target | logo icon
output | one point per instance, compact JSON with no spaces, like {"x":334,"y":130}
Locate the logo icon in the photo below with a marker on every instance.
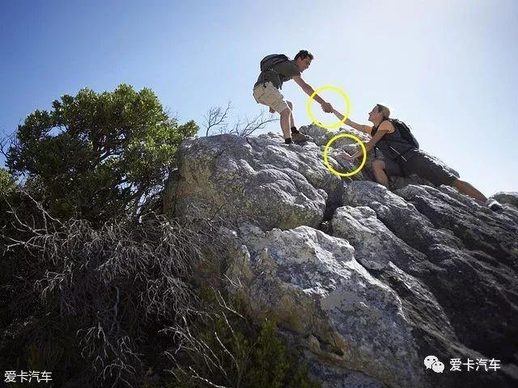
{"x":433,"y":363}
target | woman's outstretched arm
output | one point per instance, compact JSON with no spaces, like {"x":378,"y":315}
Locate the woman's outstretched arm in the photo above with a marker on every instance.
{"x":359,"y":127}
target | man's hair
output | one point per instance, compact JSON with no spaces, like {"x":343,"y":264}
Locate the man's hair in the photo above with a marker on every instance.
{"x":383,"y":110}
{"x":302,"y":54}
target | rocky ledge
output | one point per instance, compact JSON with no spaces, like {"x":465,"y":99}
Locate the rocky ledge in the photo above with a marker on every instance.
{"x":366,"y":282}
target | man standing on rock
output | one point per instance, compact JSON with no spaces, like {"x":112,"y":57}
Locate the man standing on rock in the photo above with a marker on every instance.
{"x":276,"y":69}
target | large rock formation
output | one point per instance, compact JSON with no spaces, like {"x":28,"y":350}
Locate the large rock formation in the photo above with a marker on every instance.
{"x":367,"y":282}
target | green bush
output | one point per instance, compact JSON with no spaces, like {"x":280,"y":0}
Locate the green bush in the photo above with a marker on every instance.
{"x":97,"y":155}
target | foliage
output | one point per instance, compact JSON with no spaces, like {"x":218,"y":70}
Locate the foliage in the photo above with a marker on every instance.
{"x":7,"y":183}
{"x":99,"y":296}
{"x":121,"y":304}
{"x":95,"y":295}
{"x":96,"y":155}
{"x":224,"y":348}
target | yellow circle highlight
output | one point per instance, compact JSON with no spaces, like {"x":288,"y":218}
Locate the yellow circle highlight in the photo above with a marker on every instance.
{"x":339,"y":123}
{"x":326,"y":151}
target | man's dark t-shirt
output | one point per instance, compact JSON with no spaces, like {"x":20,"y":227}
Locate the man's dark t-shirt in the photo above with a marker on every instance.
{"x":280,"y":73}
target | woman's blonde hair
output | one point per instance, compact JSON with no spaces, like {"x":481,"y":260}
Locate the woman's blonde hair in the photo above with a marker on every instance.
{"x":383,"y":110}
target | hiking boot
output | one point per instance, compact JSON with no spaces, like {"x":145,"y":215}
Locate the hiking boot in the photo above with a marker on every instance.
{"x":494,"y":205}
{"x":300,"y":138}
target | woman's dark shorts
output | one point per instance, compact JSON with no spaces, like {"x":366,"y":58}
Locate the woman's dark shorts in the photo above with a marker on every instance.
{"x":422,"y":165}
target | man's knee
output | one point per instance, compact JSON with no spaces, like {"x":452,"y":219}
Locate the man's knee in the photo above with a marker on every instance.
{"x":378,"y":165}
{"x":290,"y":105}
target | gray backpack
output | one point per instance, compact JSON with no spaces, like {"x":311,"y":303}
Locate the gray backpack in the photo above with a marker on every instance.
{"x":271,"y":60}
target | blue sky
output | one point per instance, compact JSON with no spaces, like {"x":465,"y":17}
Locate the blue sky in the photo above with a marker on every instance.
{"x":446,"y":67}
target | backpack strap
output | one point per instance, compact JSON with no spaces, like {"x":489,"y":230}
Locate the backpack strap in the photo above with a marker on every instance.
{"x":373,"y":132}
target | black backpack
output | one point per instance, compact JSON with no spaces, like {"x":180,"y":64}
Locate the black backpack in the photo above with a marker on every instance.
{"x":271,"y":60}
{"x":405,"y":132}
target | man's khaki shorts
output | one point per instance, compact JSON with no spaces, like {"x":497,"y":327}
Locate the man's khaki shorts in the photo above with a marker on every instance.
{"x":270,"y":96}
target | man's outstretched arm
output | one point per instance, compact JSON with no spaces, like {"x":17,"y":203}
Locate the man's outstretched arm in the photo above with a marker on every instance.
{"x":326,"y":107}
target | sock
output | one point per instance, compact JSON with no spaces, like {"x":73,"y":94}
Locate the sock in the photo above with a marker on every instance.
{"x":288,"y":140}
{"x":294,"y":130}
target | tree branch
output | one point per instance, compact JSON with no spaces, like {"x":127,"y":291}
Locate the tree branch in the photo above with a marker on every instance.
{"x":216,"y":117}
{"x":249,"y":126}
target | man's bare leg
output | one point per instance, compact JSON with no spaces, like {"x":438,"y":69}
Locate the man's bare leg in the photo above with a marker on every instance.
{"x":292,"y":121}
{"x":468,"y":189}
{"x":285,"y":123}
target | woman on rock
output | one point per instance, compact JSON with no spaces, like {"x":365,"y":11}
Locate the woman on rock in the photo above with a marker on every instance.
{"x":403,"y":158}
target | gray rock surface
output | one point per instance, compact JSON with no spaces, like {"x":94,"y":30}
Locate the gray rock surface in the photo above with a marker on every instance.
{"x":390,"y":278}
{"x":507,"y":197}
{"x":271,"y":183}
